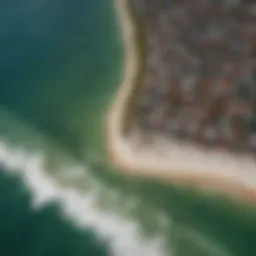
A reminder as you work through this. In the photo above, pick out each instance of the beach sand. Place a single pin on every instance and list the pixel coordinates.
(168, 161)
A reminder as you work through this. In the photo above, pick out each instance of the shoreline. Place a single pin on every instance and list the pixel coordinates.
(147, 164)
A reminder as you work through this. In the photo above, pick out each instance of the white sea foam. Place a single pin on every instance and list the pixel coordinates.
(123, 233)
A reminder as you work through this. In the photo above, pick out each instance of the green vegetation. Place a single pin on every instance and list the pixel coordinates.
(140, 76)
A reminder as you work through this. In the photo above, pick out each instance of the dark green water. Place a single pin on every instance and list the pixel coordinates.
(60, 64)
(27, 231)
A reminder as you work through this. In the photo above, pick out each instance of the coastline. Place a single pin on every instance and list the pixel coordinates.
(224, 175)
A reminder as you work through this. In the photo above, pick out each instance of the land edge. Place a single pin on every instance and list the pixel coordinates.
(118, 143)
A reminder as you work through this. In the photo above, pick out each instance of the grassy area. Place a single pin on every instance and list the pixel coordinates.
(142, 56)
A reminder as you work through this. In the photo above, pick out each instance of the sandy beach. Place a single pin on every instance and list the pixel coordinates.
(169, 161)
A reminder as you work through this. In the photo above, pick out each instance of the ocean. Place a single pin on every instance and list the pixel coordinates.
(60, 64)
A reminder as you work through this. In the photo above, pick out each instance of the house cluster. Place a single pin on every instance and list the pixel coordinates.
(200, 82)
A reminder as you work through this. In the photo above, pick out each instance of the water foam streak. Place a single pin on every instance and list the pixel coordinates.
(82, 206)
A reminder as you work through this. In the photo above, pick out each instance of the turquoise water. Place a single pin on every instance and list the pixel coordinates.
(61, 62)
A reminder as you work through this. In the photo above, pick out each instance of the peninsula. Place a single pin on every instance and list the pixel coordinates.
(186, 148)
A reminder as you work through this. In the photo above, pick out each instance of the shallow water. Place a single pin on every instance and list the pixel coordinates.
(60, 64)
